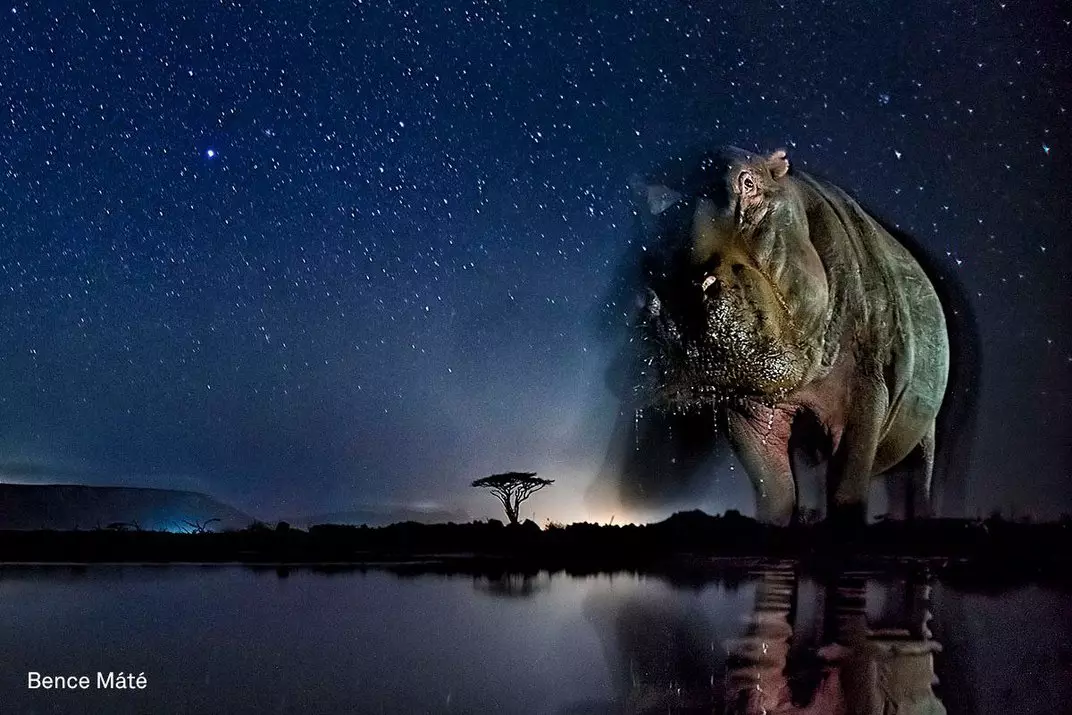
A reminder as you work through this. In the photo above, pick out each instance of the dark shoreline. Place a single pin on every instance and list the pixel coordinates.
(991, 554)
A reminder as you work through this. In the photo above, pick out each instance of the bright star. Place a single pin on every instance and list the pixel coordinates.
(210, 153)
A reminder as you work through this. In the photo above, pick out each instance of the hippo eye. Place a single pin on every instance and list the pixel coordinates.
(746, 182)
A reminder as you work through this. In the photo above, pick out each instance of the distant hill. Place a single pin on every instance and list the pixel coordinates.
(381, 516)
(76, 506)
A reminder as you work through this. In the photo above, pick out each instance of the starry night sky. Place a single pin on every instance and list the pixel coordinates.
(310, 256)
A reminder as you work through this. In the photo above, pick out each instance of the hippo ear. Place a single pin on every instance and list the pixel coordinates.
(660, 198)
(778, 164)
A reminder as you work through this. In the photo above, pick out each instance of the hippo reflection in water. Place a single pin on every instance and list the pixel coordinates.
(805, 648)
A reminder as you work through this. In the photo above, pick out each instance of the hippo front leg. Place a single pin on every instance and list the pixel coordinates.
(853, 462)
(761, 441)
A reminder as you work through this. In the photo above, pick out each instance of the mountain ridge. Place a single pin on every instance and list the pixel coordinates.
(81, 506)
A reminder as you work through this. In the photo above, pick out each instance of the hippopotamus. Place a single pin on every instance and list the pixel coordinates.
(773, 304)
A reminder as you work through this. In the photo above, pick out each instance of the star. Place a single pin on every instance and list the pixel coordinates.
(210, 153)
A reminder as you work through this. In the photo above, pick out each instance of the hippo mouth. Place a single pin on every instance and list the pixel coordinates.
(710, 378)
(733, 357)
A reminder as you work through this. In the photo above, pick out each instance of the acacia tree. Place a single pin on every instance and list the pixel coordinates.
(512, 488)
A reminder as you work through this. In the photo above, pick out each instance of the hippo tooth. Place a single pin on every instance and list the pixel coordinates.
(707, 282)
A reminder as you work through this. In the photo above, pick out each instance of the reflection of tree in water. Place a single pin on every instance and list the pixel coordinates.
(806, 648)
(512, 585)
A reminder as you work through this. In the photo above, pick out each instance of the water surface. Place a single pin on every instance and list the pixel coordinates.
(217, 639)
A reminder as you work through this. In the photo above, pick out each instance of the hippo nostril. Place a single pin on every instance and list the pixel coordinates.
(737, 268)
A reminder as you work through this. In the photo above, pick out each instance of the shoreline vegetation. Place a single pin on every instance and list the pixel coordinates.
(990, 552)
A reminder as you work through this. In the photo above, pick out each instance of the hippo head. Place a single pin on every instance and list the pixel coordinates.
(734, 295)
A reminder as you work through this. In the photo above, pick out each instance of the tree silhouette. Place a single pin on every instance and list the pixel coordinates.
(512, 488)
(198, 527)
